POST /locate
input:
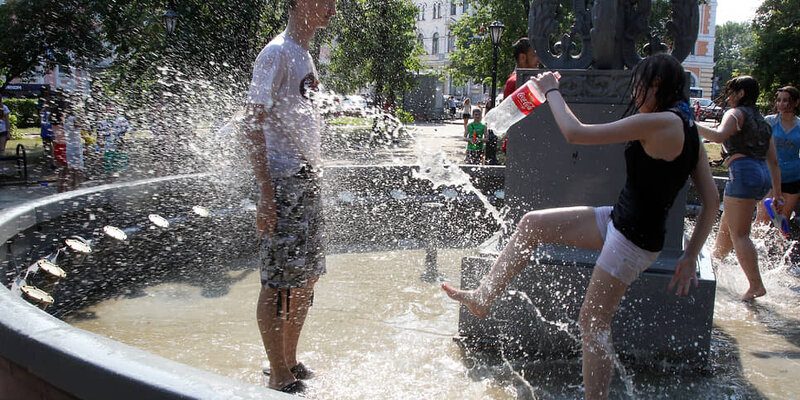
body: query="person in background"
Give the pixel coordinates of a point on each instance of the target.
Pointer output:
(466, 112)
(524, 57)
(786, 133)
(663, 150)
(475, 136)
(749, 153)
(111, 135)
(5, 127)
(58, 118)
(46, 128)
(72, 176)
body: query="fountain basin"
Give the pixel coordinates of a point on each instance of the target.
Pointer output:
(42, 354)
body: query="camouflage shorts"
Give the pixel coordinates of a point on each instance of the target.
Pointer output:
(296, 249)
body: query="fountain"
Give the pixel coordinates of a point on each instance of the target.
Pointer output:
(378, 330)
(537, 316)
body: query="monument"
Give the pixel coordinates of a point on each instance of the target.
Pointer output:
(537, 315)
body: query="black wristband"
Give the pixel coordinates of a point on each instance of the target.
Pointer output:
(553, 89)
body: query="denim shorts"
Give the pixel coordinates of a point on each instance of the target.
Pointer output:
(296, 249)
(748, 178)
(620, 257)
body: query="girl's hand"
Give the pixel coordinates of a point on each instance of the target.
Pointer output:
(545, 81)
(685, 273)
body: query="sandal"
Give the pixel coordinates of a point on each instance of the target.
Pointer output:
(299, 371)
(294, 387)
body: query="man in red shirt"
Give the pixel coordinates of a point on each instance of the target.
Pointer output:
(526, 58)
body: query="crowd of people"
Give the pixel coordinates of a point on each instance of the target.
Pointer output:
(69, 131)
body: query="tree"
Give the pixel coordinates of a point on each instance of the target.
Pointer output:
(373, 43)
(731, 44)
(214, 44)
(776, 53)
(46, 33)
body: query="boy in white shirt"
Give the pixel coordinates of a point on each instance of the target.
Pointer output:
(283, 128)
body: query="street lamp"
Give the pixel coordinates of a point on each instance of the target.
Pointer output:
(495, 33)
(170, 19)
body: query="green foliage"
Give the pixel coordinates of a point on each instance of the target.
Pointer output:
(13, 129)
(731, 45)
(200, 70)
(45, 33)
(404, 116)
(776, 53)
(373, 43)
(473, 57)
(27, 110)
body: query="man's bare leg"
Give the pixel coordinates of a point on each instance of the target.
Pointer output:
(576, 226)
(298, 310)
(272, 326)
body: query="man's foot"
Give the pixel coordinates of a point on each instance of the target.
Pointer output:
(299, 371)
(469, 299)
(294, 387)
(753, 293)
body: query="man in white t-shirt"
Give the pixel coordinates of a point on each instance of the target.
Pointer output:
(283, 129)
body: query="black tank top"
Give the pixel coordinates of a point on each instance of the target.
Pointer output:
(753, 139)
(640, 213)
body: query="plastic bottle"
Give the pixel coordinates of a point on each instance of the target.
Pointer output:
(778, 220)
(509, 112)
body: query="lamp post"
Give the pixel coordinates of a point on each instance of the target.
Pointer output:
(170, 19)
(495, 33)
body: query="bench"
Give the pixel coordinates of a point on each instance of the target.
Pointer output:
(22, 162)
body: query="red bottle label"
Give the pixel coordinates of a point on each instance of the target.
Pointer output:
(525, 100)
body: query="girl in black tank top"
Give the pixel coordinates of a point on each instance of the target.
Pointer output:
(661, 141)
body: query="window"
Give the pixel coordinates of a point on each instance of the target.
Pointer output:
(437, 11)
(435, 44)
(421, 40)
(451, 42)
(422, 13)
(453, 7)
(465, 5)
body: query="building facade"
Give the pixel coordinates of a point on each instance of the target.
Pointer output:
(700, 64)
(434, 20)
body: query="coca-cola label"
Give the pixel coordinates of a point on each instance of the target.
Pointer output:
(525, 100)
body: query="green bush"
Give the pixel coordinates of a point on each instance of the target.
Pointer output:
(26, 110)
(13, 130)
(404, 116)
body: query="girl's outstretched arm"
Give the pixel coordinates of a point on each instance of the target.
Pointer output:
(661, 133)
(686, 270)
(728, 127)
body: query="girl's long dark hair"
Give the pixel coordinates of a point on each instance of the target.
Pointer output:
(666, 73)
(744, 82)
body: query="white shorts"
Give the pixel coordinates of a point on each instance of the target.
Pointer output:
(620, 257)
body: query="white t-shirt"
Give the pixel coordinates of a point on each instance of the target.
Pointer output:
(3, 126)
(74, 144)
(284, 78)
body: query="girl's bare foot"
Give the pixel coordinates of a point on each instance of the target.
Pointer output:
(752, 293)
(468, 298)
